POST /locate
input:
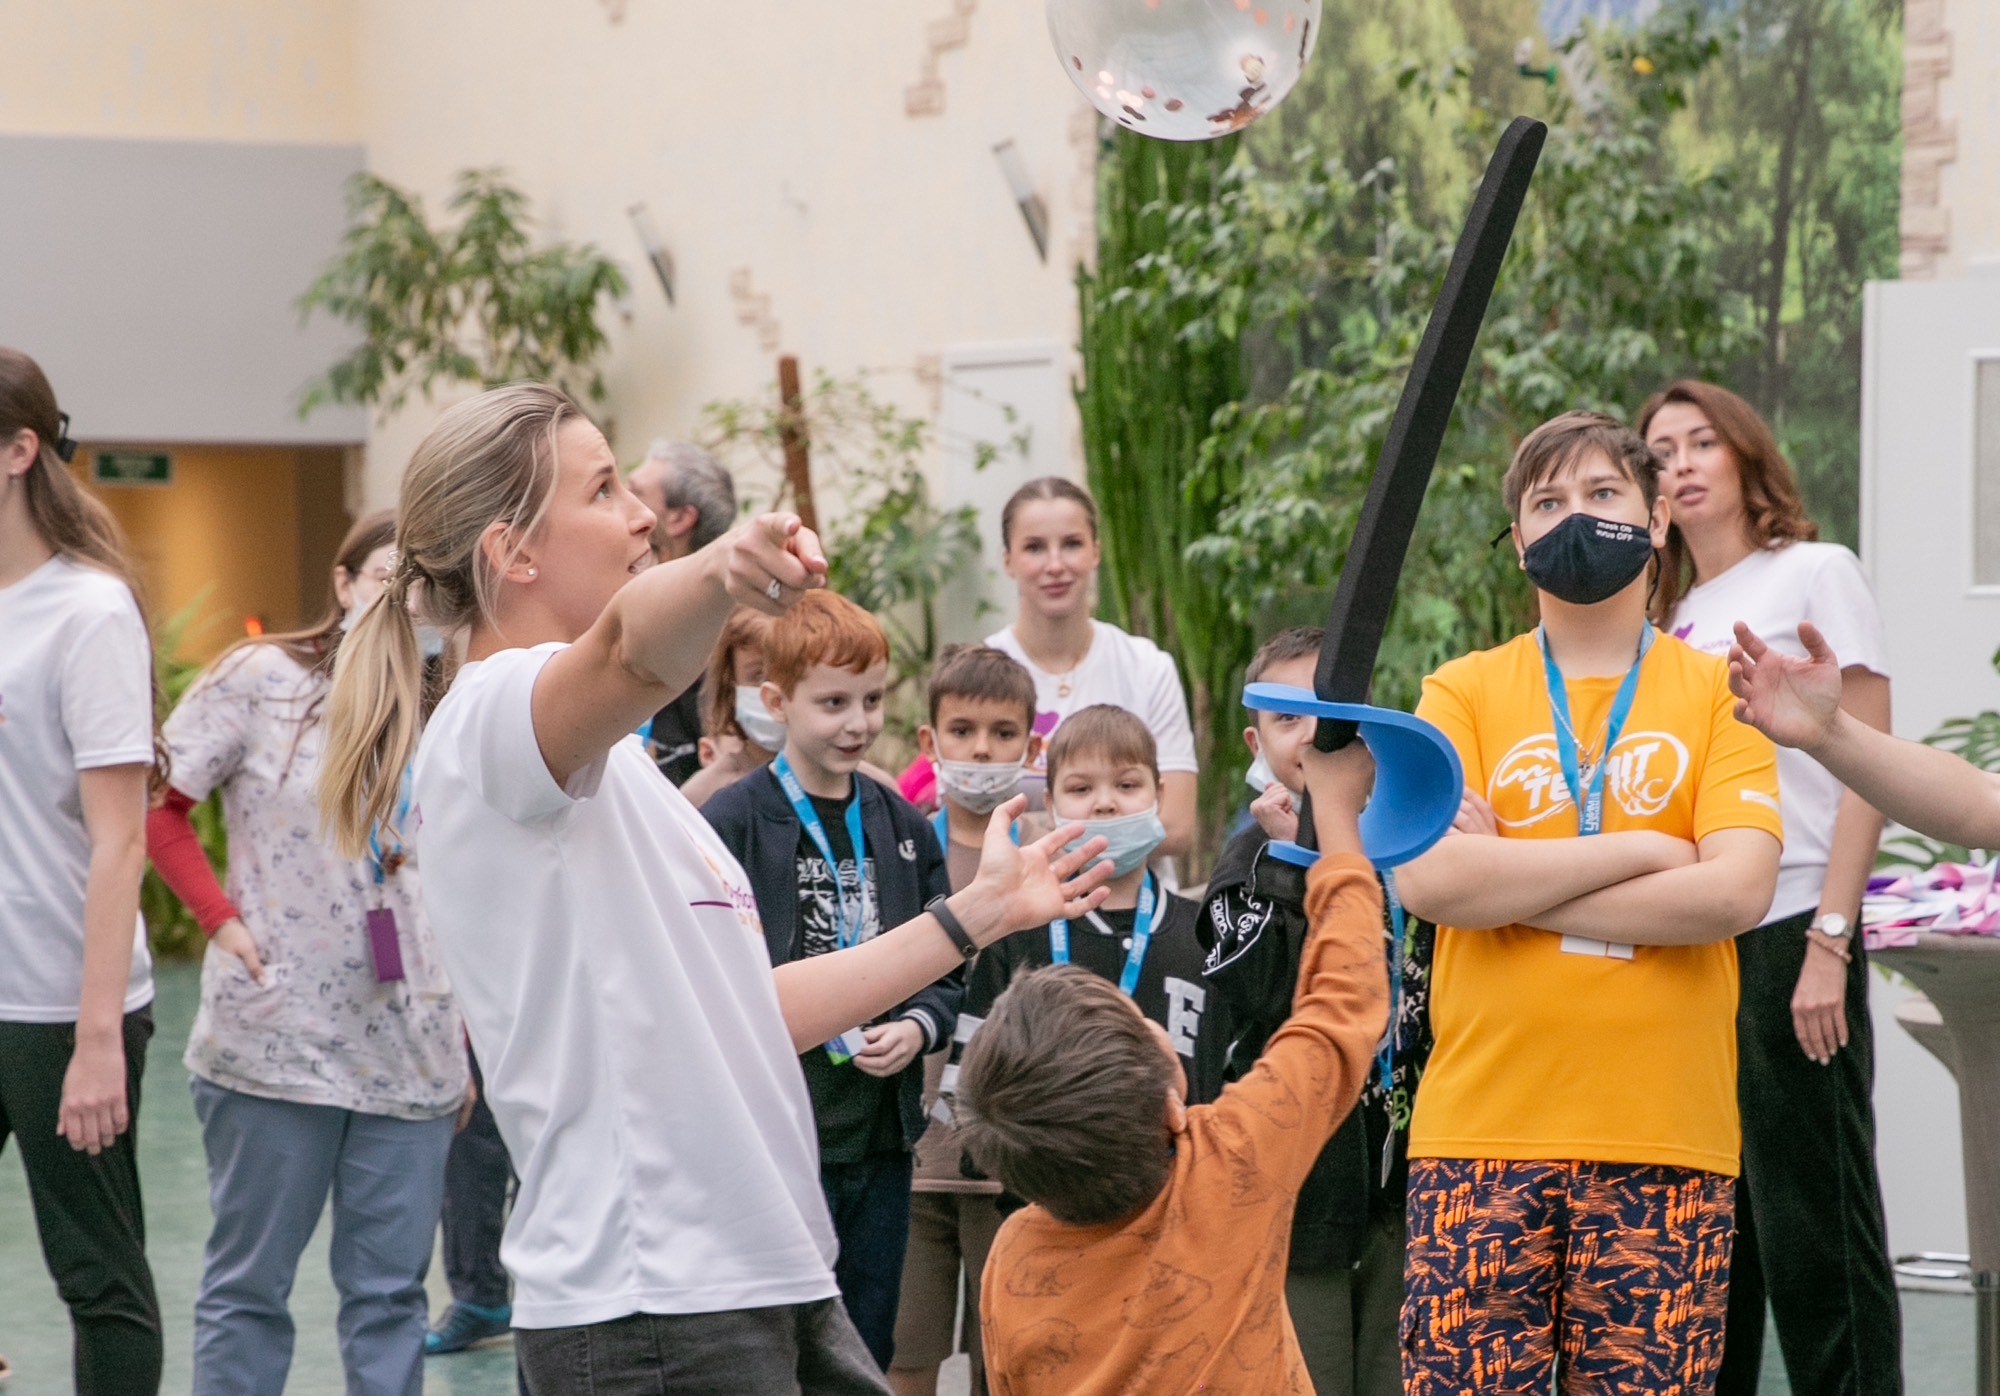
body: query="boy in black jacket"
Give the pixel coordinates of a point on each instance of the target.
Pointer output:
(1345, 1287)
(794, 826)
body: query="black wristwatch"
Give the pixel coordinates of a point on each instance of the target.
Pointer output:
(953, 927)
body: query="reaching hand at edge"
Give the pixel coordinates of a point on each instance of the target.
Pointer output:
(1035, 883)
(1790, 700)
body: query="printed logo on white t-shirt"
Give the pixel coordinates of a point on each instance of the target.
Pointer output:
(741, 899)
(1527, 787)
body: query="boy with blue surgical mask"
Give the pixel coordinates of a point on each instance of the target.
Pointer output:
(1103, 772)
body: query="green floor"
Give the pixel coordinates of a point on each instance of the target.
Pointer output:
(34, 1331)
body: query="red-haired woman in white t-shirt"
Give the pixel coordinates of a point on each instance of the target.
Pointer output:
(1810, 1238)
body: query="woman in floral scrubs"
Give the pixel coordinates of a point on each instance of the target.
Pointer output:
(328, 1057)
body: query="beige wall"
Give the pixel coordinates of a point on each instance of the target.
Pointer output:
(266, 70)
(822, 173)
(1951, 136)
(807, 210)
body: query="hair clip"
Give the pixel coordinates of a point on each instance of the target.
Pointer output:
(64, 447)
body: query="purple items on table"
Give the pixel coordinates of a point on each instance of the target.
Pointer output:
(1949, 899)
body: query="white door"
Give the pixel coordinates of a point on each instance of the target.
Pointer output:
(1930, 490)
(1005, 417)
(1930, 538)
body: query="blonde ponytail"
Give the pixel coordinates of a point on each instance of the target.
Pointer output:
(372, 722)
(488, 460)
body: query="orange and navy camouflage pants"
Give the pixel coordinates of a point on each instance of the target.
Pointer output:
(1586, 1279)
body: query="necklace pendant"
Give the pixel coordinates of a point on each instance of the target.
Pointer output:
(1062, 689)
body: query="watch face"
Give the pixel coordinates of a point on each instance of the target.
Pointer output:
(1832, 924)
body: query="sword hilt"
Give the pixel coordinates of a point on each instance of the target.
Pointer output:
(1418, 778)
(1333, 734)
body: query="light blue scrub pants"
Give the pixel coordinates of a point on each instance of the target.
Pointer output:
(271, 1164)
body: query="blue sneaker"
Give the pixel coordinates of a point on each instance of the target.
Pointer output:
(465, 1325)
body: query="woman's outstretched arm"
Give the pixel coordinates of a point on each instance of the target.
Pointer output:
(1796, 703)
(1015, 888)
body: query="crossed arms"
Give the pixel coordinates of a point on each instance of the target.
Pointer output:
(1635, 888)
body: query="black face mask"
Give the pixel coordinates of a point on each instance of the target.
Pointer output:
(1585, 559)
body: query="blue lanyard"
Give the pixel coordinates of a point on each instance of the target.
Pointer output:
(1590, 803)
(1385, 1056)
(802, 806)
(1142, 939)
(375, 858)
(943, 827)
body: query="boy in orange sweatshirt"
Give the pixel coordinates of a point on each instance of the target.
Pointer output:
(1153, 1256)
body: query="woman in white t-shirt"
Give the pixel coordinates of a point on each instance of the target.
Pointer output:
(77, 754)
(1048, 536)
(1810, 1236)
(327, 1060)
(640, 1053)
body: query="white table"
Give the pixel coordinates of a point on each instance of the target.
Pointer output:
(1961, 976)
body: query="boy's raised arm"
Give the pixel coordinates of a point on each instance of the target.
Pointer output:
(1312, 1069)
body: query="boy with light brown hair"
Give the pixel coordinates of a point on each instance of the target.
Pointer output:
(980, 737)
(1153, 1255)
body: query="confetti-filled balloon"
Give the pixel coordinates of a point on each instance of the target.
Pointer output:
(1184, 70)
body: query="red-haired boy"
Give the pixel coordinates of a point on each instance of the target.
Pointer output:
(833, 860)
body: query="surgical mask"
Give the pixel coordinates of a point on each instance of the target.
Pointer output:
(1261, 776)
(1131, 838)
(979, 787)
(755, 719)
(1584, 559)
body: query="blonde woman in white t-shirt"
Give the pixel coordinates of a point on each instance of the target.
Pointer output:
(639, 1050)
(77, 755)
(1050, 547)
(1810, 1237)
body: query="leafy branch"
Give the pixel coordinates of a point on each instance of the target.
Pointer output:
(469, 301)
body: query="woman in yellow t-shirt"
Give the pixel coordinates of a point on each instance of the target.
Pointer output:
(1576, 1139)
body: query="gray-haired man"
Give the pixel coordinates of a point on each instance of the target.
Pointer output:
(690, 492)
(693, 498)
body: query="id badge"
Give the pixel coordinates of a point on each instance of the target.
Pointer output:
(384, 948)
(847, 1046)
(1602, 949)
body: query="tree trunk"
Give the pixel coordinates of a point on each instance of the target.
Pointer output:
(1781, 213)
(798, 446)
